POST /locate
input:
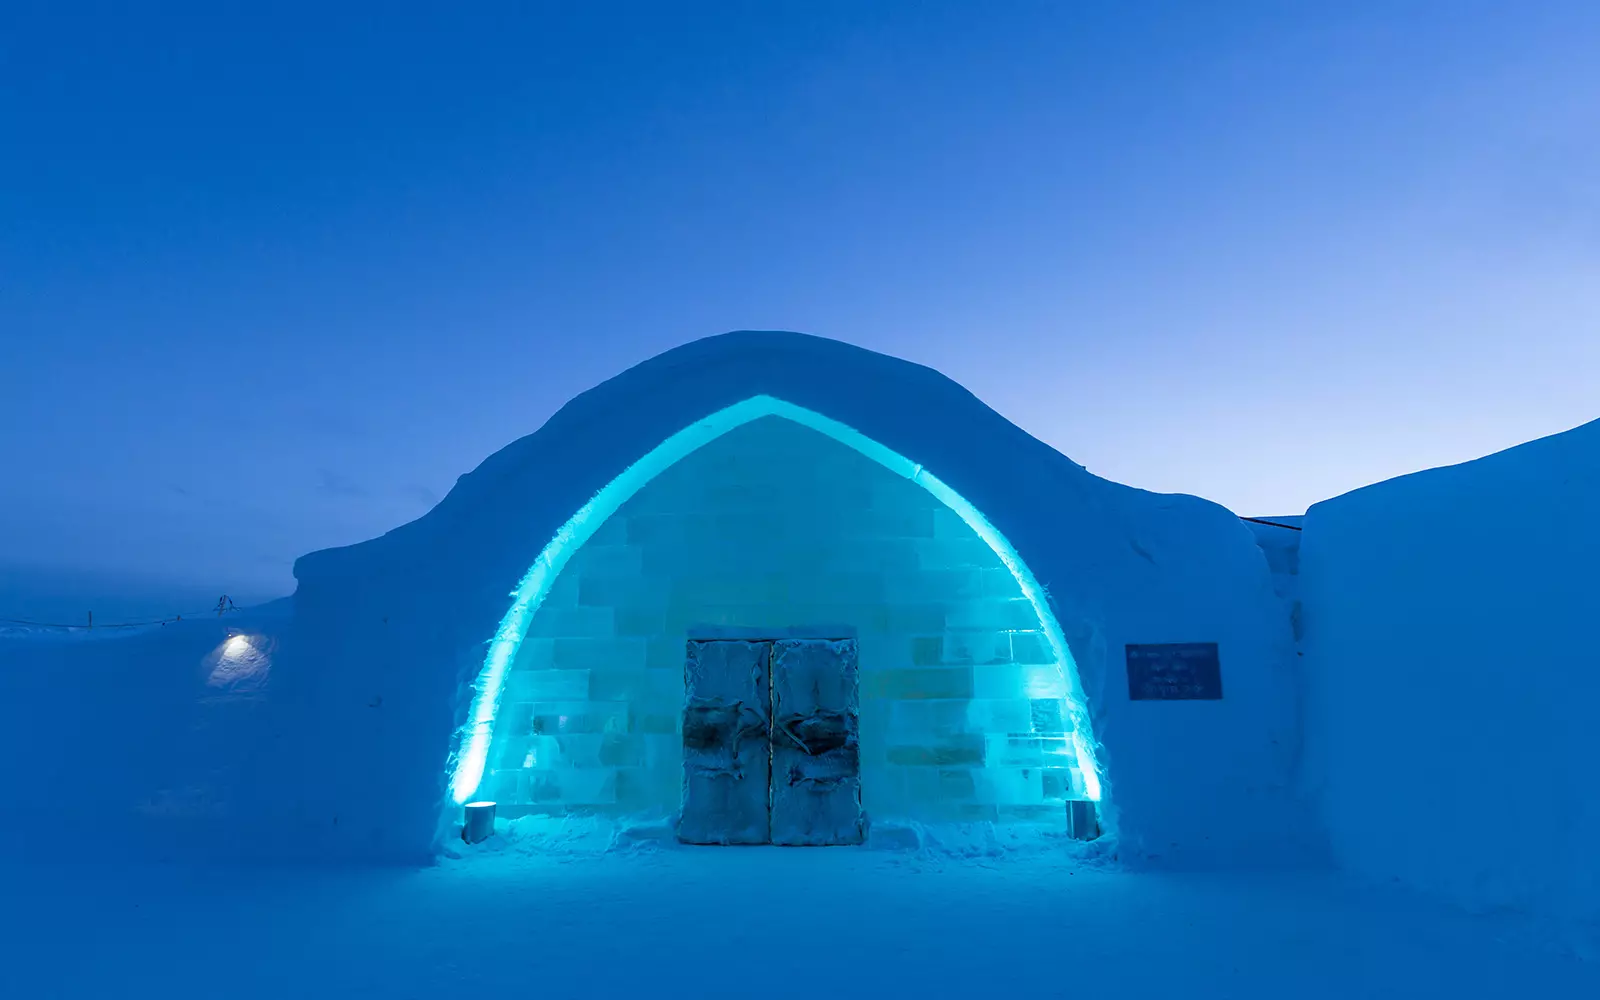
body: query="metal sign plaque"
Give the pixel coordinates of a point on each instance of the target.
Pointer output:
(1174, 671)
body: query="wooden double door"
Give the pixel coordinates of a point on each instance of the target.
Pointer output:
(771, 751)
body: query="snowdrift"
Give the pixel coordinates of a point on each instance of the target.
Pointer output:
(1449, 640)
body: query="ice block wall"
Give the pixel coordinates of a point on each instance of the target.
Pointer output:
(777, 526)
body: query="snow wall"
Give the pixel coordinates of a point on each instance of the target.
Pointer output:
(1454, 672)
(1279, 538)
(341, 750)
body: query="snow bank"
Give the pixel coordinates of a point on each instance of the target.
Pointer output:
(1454, 676)
(1279, 538)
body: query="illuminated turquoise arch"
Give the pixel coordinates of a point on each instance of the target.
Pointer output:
(472, 752)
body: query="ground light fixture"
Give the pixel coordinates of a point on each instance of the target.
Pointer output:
(478, 823)
(1082, 823)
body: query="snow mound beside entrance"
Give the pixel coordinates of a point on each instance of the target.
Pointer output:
(1454, 673)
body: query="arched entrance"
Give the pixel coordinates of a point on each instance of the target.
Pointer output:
(767, 519)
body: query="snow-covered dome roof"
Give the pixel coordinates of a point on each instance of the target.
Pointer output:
(912, 409)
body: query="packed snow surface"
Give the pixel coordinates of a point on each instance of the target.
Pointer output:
(780, 923)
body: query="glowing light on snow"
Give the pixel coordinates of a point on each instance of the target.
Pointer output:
(239, 663)
(472, 754)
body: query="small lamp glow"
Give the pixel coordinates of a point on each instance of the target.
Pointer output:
(479, 825)
(236, 644)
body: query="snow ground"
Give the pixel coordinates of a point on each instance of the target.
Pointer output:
(687, 922)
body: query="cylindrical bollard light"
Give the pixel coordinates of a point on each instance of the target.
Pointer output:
(479, 825)
(1082, 822)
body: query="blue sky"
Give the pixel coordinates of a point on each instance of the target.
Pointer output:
(271, 277)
